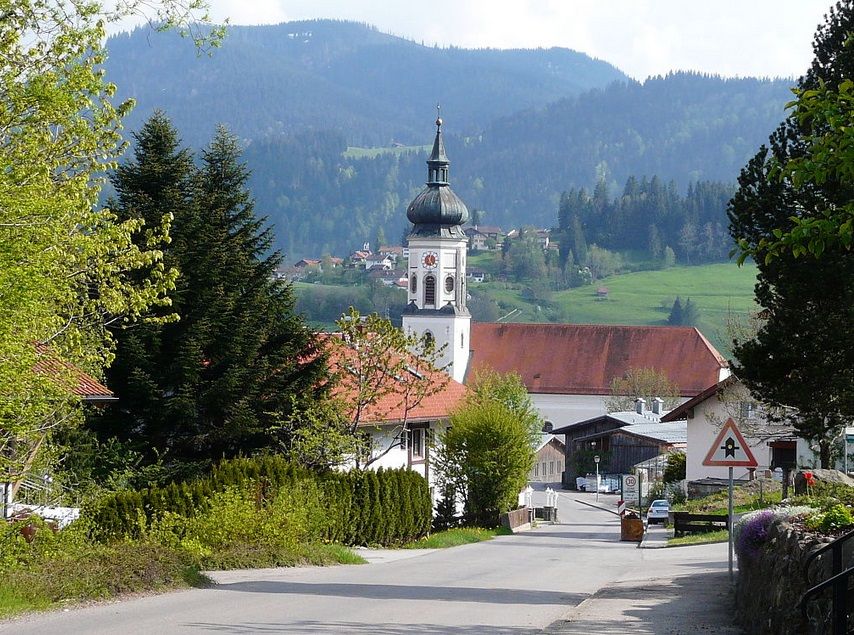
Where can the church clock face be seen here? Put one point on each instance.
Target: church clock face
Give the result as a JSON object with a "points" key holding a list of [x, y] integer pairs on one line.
{"points": [[430, 259]]}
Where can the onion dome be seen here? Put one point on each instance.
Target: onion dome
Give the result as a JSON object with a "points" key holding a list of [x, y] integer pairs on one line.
{"points": [[437, 210]]}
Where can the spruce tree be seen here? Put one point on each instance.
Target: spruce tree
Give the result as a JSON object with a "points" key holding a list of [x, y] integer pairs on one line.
{"points": [[208, 385], [802, 358], [675, 317]]}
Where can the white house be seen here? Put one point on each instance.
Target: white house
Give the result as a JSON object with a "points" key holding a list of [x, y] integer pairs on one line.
{"points": [[705, 413]]}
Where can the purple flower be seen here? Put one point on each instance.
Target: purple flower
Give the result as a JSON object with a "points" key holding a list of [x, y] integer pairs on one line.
{"points": [[754, 534]]}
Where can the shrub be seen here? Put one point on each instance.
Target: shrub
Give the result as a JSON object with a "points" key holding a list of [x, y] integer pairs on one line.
{"points": [[752, 534], [836, 517], [360, 507]]}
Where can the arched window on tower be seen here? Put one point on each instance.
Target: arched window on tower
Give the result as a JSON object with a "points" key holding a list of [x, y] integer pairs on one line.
{"points": [[413, 284], [430, 291], [449, 284], [429, 341]]}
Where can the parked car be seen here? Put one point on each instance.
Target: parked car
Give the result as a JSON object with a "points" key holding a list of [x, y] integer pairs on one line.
{"points": [[658, 512]]}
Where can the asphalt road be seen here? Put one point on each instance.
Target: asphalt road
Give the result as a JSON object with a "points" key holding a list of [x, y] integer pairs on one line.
{"points": [[513, 584]]}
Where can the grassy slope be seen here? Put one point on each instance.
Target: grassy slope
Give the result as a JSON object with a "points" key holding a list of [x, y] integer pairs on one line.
{"points": [[644, 297]]}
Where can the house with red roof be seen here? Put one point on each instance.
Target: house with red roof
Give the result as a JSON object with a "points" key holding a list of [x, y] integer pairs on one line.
{"points": [[404, 428], [82, 385]]}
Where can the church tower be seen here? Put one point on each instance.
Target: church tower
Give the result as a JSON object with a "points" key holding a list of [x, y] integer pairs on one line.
{"points": [[437, 265]]}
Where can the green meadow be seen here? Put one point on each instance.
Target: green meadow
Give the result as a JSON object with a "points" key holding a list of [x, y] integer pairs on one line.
{"points": [[720, 291]]}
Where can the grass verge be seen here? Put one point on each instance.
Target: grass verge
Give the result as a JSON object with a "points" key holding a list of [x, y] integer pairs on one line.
{"points": [[106, 571], [457, 537], [699, 539]]}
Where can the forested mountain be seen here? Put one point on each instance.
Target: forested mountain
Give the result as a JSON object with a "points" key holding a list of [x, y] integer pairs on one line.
{"points": [[323, 74], [684, 127], [521, 126]]}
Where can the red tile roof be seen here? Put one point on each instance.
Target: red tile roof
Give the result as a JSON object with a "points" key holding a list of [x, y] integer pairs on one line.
{"points": [[390, 407], [84, 385], [582, 359]]}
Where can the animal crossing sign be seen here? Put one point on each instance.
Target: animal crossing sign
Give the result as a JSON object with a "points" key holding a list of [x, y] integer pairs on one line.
{"points": [[730, 449]]}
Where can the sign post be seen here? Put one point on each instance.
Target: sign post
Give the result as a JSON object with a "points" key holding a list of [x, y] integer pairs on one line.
{"points": [[730, 450], [631, 490]]}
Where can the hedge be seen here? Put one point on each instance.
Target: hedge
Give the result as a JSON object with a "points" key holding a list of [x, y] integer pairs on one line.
{"points": [[386, 507]]}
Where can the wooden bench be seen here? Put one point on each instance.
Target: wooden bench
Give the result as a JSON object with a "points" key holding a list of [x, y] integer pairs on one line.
{"points": [[688, 523]]}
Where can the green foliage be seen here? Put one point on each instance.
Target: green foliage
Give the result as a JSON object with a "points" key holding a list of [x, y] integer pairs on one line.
{"points": [[65, 565], [584, 463], [454, 537], [801, 359], [68, 269], [488, 451], [241, 496], [675, 468], [835, 518], [213, 383]]}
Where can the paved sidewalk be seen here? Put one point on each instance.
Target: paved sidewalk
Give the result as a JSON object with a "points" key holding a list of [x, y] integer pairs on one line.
{"points": [[670, 595]]}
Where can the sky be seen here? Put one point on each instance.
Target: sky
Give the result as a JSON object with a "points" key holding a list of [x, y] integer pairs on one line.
{"points": [[766, 38]]}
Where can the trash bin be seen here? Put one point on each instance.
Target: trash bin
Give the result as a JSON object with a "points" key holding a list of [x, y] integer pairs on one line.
{"points": [[631, 528]]}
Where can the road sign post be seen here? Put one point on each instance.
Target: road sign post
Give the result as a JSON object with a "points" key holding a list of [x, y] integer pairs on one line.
{"points": [[730, 450], [631, 490]]}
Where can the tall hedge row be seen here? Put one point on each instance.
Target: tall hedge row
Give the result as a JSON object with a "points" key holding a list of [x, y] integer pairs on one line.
{"points": [[385, 507]]}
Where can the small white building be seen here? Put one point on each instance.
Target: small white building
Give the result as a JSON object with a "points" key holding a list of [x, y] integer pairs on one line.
{"points": [[729, 399]]}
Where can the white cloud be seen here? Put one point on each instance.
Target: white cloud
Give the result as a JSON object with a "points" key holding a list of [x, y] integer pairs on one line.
{"points": [[642, 37]]}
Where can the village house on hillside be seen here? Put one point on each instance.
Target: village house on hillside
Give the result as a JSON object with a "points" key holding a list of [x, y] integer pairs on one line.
{"points": [[403, 433]]}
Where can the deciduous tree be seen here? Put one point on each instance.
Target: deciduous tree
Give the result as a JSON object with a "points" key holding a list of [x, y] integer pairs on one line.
{"points": [[68, 270], [381, 374], [646, 383]]}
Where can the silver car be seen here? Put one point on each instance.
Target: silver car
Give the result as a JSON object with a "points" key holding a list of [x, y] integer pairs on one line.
{"points": [[658, 512]]}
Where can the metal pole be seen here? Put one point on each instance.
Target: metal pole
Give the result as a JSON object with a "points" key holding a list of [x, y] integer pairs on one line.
{"points": [[730, 524], [597, 481]]}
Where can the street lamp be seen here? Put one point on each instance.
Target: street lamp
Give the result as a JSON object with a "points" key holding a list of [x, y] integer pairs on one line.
{"points": [[596, 461]]}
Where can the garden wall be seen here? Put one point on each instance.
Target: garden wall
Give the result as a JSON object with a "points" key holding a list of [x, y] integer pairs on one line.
{"points": [[772, 580]]}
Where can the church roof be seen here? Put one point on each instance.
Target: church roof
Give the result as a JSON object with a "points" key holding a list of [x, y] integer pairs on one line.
{"points": [[583, 359]]}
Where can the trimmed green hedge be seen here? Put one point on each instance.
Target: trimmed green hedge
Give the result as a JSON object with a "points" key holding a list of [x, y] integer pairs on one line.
{"points": [[386, 507]]}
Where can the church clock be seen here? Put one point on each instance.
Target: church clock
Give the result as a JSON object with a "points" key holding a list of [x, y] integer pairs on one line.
{"points": [[430, 259]]}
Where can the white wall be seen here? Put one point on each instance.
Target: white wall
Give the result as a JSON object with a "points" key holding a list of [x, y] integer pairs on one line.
{"points": [[703, 429]]}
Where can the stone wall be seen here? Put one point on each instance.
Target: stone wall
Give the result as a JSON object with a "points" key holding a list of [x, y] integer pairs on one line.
{"points": [[770, 586]]}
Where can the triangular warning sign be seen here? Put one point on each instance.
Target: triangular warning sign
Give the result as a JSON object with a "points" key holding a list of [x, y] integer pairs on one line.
{"points": [[730, 449]]}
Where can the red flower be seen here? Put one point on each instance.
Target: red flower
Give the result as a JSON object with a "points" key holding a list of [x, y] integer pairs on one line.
{"points": [[809, 478]]}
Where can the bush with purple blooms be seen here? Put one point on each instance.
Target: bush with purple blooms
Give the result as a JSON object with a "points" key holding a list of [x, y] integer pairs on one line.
{"points": [[752, 533]]}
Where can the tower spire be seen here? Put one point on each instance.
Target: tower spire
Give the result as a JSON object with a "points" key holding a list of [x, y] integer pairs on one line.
{"points": [[437, 164]]}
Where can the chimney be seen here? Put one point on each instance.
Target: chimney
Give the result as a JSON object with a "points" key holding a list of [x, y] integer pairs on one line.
{"points": [[640, 405], [658, 406]]}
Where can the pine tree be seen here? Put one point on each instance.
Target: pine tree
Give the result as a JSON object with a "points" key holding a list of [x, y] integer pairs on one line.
{"points": [[675, 318], [208, 385], [690, 313], [802, 358]]}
